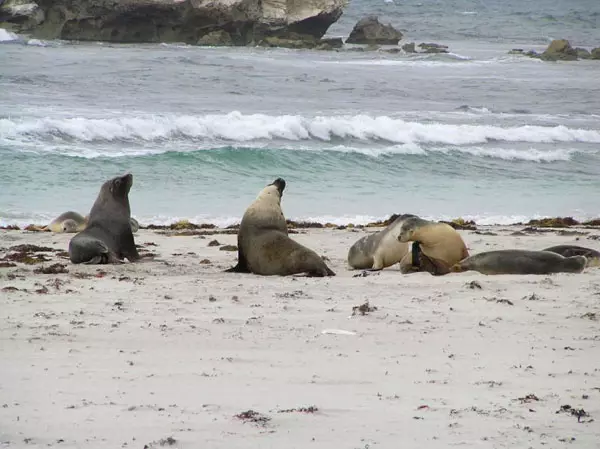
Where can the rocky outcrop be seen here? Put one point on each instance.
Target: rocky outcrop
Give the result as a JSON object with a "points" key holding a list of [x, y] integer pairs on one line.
{"points": [[409, 48], [372, 32], [17, 14], [433, 48], [559, 50], [582, 53], [207, 22]]}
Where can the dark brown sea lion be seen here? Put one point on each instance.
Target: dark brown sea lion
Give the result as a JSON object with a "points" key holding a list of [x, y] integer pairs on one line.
{"points": [[107, 237]]}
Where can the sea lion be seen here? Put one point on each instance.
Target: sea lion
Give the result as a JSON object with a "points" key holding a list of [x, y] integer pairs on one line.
{"points": [[264, 246], [518, 261], [379, 249], [69, 222], [439, 245], [107, 237], [135, 226], [592, 256]]}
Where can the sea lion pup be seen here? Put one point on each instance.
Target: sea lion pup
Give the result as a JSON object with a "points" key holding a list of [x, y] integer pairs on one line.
{"points": [[107, 237], [592, 256], [439, 244], [518, 261], [381, 249], [263, 243]]}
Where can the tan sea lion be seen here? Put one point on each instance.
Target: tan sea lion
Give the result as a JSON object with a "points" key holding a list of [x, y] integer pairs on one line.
{"points": [[440, 245], [592, 256], [107, 237], [518, 261], [380, 249], [264, 246], [69, 222]]}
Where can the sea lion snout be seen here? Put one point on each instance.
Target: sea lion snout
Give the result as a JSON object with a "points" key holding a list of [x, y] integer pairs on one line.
{"points": [[280, 184]]}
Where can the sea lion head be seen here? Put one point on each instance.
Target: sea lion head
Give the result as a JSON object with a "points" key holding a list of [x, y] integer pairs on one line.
{"points": [[273, 192], [280, 184], [407, 229], [118, 187], [70, 226]]}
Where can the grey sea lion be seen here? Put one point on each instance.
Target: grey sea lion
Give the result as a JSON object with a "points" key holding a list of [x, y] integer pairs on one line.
{"points": [[67, 222], [135, 226], [380, 249], [518, 261], [107, 237], [264, 246], [592, 256], [439, 245]]}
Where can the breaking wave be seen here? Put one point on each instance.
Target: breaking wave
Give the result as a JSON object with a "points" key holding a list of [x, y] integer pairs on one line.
{"points": [[237, 127]]}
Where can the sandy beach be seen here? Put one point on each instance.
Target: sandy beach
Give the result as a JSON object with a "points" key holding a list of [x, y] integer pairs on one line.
{"points": [[172, 352]]}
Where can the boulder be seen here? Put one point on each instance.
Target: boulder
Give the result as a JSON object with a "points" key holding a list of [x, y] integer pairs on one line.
{"points": [[189, 21], [371, 32], [218, 38], [559, 50], [330, 44], [433, 48], [595, 53], [582, 53], [409, 48], [20, 15], [273, 41]]}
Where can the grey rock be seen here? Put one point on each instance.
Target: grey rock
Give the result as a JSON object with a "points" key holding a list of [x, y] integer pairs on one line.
{"points": [[370, 31]]}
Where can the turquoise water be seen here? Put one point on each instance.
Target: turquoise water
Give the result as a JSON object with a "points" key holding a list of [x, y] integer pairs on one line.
{"points": [[357, 135]]}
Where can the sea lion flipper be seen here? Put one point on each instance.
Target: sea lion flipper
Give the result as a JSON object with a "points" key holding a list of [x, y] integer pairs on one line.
{"points": [[241, 266]]}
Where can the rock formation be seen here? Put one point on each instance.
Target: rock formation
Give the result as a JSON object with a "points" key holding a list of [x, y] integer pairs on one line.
{"points": [[559, 50], [372, 32], [208, 22]]}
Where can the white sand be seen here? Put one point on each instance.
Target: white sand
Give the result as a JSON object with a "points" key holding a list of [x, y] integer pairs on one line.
{"points": [[437, 365]]}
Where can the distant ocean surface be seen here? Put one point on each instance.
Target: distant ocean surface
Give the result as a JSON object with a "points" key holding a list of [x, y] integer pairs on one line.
{"points": [[357, 136]]}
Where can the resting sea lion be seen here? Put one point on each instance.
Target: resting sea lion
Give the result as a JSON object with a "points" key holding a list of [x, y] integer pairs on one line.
{"points": [[107, 237], [380, 249], [439, 244], [67, 222], [518, 261], [592, 256], [263, 243]]}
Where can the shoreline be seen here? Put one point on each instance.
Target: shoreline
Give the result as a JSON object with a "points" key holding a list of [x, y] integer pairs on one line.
{"points": [[457, 223]]}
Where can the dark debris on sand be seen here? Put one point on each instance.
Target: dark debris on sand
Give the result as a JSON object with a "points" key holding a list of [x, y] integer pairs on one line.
{"points": [[56, 268], [310, 409], [253, 417], [26, 254], [169, 441], [577, 412], [363, 309]]}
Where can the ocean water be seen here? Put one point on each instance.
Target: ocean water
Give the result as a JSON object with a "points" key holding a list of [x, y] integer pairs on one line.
{"points": [[357, 136]]}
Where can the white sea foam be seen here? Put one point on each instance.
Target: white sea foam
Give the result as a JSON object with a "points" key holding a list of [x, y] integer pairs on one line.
{"points": [[239, 128], [7, 36]]}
